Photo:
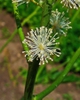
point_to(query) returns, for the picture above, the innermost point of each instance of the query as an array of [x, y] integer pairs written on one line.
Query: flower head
[[42, 44], [71, 3], [59, 23]]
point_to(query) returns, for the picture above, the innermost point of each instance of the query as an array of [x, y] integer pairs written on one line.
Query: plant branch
[[30, 16], [59, 78], [8, 41]]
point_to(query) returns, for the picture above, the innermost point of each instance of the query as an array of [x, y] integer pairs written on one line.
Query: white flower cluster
[[41, 44], [71, 3], [59, 23]]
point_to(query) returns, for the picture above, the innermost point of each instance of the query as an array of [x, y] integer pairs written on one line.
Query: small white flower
[[19, 1], [41, 44], [71, 3], [59, 23], [15, 1]]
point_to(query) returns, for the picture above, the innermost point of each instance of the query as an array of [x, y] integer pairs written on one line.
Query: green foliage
[[69, 44], [6, 4], [25, 11], [52, 76], [67, 97]]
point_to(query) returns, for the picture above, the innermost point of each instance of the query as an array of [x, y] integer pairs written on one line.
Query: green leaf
[[71, 78]]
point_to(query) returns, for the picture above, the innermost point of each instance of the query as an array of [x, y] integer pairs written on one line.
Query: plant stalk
[[59, 78], [30, 81], [33, 66], [18, 23]]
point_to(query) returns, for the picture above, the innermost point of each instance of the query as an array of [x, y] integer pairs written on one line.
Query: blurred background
[[13, 66]]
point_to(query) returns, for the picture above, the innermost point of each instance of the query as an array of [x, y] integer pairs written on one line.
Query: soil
[[12, 59]]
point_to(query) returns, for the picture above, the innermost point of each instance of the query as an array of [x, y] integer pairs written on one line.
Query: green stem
[[60, 77], [32, 71], [8, 41], [39, 71], [30, 16], [21, 35], [18, 23]]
